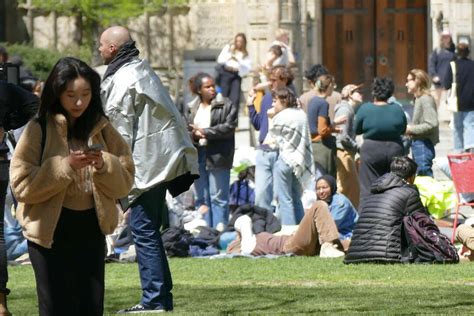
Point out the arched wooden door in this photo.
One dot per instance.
(363, 39)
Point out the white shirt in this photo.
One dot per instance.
(235, 60)
(203, 119)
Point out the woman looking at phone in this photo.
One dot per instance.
(67, 190)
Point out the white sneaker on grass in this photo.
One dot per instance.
(248, 241)
(329, 250)
(140, 309)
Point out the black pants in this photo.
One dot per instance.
(70, 275)
(4, 167)
(324, 155)
(230, 85)
(375, 159)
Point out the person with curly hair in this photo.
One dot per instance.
(382, 124)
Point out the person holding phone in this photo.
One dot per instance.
(69, 168)
(212, 120)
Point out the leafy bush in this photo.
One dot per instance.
(40, 61)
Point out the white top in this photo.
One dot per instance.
(203, 119)
(235, 60)
(287, 57)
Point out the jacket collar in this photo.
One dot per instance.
(61, 124)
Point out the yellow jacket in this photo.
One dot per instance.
(40, 188)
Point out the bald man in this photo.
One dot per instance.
(140, 108)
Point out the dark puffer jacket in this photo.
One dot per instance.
(378, 236)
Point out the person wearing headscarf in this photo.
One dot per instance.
(341, 209)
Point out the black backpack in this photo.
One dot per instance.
(176, 241)
(426, 244)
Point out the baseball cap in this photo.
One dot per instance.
(349, 89)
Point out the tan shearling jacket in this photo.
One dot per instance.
(40, 188)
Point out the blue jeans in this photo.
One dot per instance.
(463, 132)
(264, 163)
(4, 169)
(155, 275)
(288, 193)
(212, 189)
(423, 153)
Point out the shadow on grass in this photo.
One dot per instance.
(320, 299)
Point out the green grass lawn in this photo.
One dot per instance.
(285, 285)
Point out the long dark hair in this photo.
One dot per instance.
(65, 70)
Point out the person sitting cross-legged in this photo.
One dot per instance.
(316, 234)
(378, 234)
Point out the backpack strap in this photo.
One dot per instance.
(247, 195)
(238, 192)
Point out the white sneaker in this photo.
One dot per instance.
(329, 250)
(248, 241)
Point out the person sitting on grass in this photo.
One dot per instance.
(317, 234)
(465, 235)
(342, 211)
(377, 236)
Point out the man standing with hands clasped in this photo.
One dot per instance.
(140, 108)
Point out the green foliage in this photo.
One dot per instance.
(41, 61)
(296, 285)
(105, 11)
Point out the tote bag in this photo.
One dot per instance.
(452, 100)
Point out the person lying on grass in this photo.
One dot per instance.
(316, 234)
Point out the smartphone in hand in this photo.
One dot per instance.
(94, 148)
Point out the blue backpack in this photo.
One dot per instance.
(241, 193)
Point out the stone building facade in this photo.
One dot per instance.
(210, 24)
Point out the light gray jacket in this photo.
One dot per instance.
(346, 139)
(425, 124)
(140, 108)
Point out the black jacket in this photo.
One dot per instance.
(377, 236)
(17, 106)
(221, 134)
(263, 220)
(465, 83)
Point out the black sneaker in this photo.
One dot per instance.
(140, 309)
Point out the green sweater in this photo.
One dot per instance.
(381, 122)
(425, 119)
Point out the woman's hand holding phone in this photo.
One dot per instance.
(94, 155)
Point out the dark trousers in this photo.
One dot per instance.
(324, 155)
(155, 275)
(70, 275)
(375, 159)
(230, 85)
(4, 167)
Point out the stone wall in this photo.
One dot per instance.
(457, 16)
(163, 37)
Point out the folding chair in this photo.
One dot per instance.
(462, 171)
